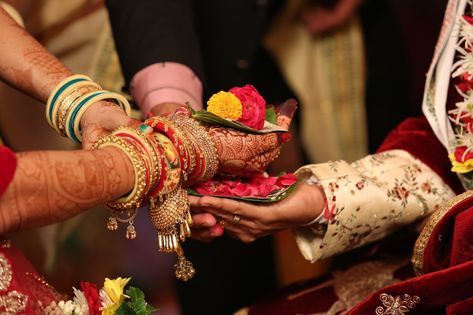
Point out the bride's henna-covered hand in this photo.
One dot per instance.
(240, 153)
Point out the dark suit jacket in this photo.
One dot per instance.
(220, 40)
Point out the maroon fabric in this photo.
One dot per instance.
(415, 136)
(436, 290)
(281, 303)
(461, 308)
(447, 285)
(451, 242)
(7, 167)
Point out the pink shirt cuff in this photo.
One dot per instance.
(166, 82)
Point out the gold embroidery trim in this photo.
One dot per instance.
(12, 302)
(396, 305)
(421, 243)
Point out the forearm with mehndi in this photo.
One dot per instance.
(24, 63)
(51, 186)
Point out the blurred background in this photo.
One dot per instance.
(356, 67)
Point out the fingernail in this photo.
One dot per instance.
(286, 137)
(216, 231)
(207, 224)
(204, 203)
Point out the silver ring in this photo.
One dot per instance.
(236, 218)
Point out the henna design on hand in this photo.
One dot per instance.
(53, 186)
(243, 154)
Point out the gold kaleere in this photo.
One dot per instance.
(171, 218)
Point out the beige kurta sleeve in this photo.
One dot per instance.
(368, 199)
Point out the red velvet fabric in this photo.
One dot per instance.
(7, 167)
(415, 136)
(447, 286)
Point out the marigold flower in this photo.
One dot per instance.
(225, 105)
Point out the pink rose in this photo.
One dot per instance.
(253, 106)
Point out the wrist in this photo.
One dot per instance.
(316, 201)
(124, 170)
(166, 109)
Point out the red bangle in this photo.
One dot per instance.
(165, 126)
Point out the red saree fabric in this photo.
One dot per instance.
(22, 289)
(7, 167)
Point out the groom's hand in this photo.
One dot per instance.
(249, 221)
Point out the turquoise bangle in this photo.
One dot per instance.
(56, 96)
(72, 118)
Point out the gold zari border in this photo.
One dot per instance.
(421, 243)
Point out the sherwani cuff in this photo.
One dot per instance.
(166, 82)
(369, 199)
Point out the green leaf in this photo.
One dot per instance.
(214, 120)
(135, 294)
(137, 302)
(124, 309)
(189, 106)
(271, 115)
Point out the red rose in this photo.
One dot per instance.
(460, 155)
(93, 297)
(468, 19)
(253, 106)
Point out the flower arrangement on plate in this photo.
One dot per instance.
(241, 108)
(244, 109)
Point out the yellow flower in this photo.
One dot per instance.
(114, 290)
(225, 105)
(459, 167)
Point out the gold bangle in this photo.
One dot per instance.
(146, 141)
(187, 142)
(81, 105)
(173, 169)
(134, 198)
(69, 100)
(204, 141)
(57, 93)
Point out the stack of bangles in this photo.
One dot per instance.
(71, 98)
(167, 154)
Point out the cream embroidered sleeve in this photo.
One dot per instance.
(369, 199)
